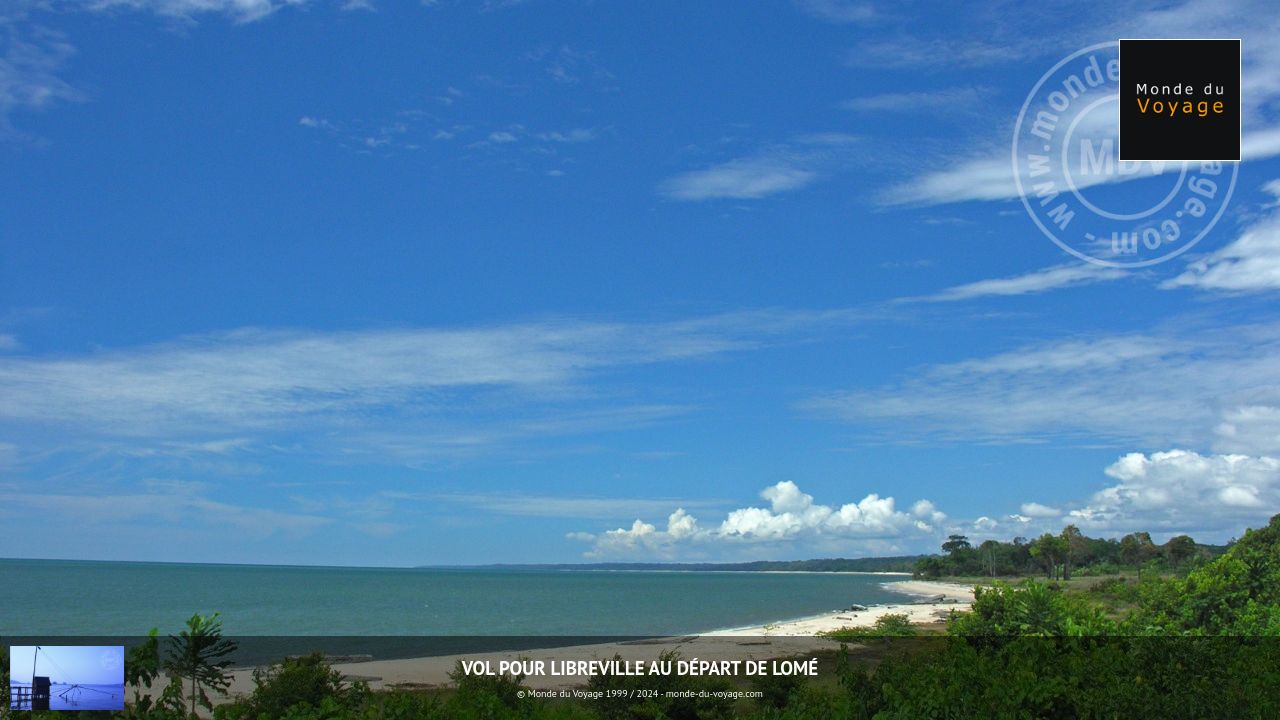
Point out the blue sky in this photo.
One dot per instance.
(69, 664)
(379, 283)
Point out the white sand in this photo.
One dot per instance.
(956, 597)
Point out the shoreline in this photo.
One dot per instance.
(762, 642)
(953, 596)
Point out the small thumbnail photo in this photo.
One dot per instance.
(66, 677)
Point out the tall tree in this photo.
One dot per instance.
(988, 550)
(1049, 549)
(199, 654)
(1074, 546)
(1136, 548)
(1180, 548)
(956, 544)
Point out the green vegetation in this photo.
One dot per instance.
(198, 655)
(1060, 556)
(1203, 644)
(886, 626)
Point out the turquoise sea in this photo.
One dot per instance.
(48, 597)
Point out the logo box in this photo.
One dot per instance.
(1179, 100)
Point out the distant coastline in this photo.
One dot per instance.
(893, 565)
(897, 564)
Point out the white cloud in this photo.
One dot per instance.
(984, 524)
(1249, 263)
(785, 167)
(410, 393)
(171, 503)
(988, 175)
(949, 99)
(319, 123)
(1213, 386)
(576, 135)
(1050, 278)
(791, 514)
(1184, 491)
(239, 10)
(30, 59)
(744, 178)
(838, 11)
(559, 506)
(502, 136)
(1036, 510)
(952, 52)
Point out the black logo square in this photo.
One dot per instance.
(1179, 100)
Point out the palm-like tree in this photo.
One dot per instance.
(198, 654)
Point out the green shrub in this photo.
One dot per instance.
(890, 625)
(303, 682)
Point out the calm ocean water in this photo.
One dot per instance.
(40, 597)
(79, 697)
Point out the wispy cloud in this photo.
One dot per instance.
(565, 65)
(172, 504)
(988, 174)
(1248, 264)
(1216, 387)
(31, 56)
(952, 52)
(432, 388)
(564, 506)
(1044, 280)
(743, 178)
(952, 100)
(838, 11)
(779, 169)
(239, 10)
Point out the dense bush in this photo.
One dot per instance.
(302, 683)
(1032, 609)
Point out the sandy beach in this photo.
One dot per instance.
(934, 601)
(946, 597)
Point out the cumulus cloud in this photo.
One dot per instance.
(984, 524)
(791, 514)
(1184, 491)
(1036, 510)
